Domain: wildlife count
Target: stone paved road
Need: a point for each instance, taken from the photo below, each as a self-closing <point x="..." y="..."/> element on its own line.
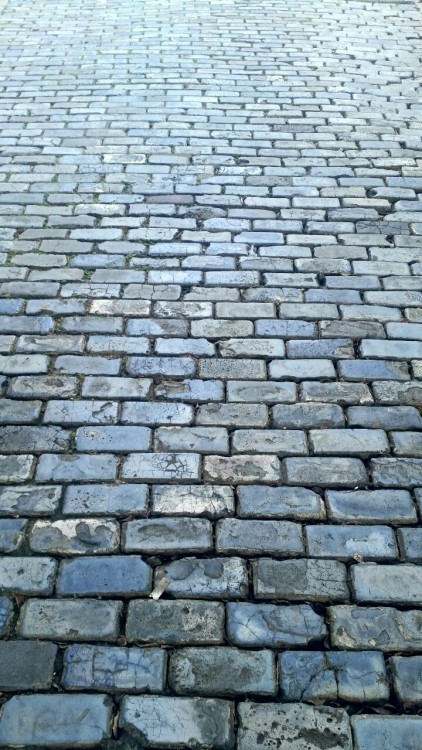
<point x="211" y="364"/>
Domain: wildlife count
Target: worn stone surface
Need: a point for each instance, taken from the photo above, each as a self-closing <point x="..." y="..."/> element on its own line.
<point x="211" y="370"/>
<point x="180" y="722"/>
<point x="395" y="732"/>
<point x="55" y="720"/>
<point x="299" y="725"/>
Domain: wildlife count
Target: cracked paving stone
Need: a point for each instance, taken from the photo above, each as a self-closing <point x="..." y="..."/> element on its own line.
<point x="273" y="625"/>
<point x="109" y="669"/>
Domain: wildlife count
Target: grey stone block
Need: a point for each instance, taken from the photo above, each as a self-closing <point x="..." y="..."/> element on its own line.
<point x="119" y="575"/>
<point x="243" y="537"/>
<point x="222" y="671"/>
<point x="382" y="628"/>
<point x="26" y="665"/>
<point x="365" y="506"/>
<point x="70" y="620"/>
<point x="168" y="536"/>
<point x="324" y="472"/>
<point x="395" y="732"/>
<point x="105" y="499"/>
<point x="272" y="625"/>
<point x="196" y="578"/>
<point x="389" y="584"/>
<point x="333" y="675"/>
<point x="300" y="580"/>
<point x="192" y="500"/>
<point x="263" y="725"/>
<point x="407" y="678"/>
<point x="111" y="669"/>
<point x="180" y="722"/>
<point x="175" y="622"/>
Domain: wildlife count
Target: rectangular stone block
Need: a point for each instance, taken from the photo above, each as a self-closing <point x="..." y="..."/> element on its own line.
<point x="251" y="538"/>
<point x="273" y="625"/>
<point x="180" y="722"/>
<point x="382" y="628"/>
<point x="70" y="620"/>
<point x="245" y="469"/>
<point x="351" y="542"/>
<point x="117" y="575"/>
<point x="389" y="584"/>
<point x="173" y="622"/>
<point x="332" y="676"/>
<point x="224" y="671"/>
<point x="203" y="578"/>
<point x="192" y="500"/>
<point x="300" y="580"/>
<point x="111" y="669"/>
<point x="159" y="467"/>
<point x="26" y="665"/>
<point x="279" y="502"/>
<point x="301" y="726"/>
<point x="105" y="500"/>
<point x="27" y="575"/>
<point x="168" y="536"/>
<point x="324" y="472"/>
<point x="55" y="720"/>
<point x="395" y="732"/>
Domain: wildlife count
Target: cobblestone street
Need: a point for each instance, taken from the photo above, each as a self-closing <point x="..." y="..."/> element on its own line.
<point x="210" y="374"/>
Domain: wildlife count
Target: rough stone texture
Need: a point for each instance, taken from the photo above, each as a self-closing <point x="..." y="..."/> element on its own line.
<point x="113" y="669"/>
<point x="26" y="665"/>
<point x="394" y="732"/>
<point x="222" y="671"/>
<point x="333" y="675"/>
<point x="211" y="366"/>
<point x="180" y="722"/>
<point x="299" y="725"/>
<point x="55" y="720"/>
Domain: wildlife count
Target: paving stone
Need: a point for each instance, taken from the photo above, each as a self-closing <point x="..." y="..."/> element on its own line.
<point x="34" y="439"/>
<point x="80" y="412"/>
<point x="324" y="472"/>
<point x="70" y="620"/>
<point x="279" y="502"/>
<point x="11" y="534"/>
<point x="15" y="468"/>
<point x="152" y="413"/>
<point x="191" y="500"/>
<point x="304" y="416"/>
<point x="346" y="542"/>
<point x="395" y="584"/>
<point x="243" y="537"/>
<point x="26" y="665"/>
<point x="365" y="506"/>
<point x="19" y="412"/>
<point x="105" y="499"/>
<point x="200" y="439"/>
<point x="384" y="417"/>
<point x="382" y="628"/>
<point x="245" y="469"/>
<point x="332" y="676"/>
<point x="300" y="580"/>
<point x="213" y="578"/>
<point x="71" y="467"/>
<point x="410" y="543"/>
<point x="28" y="575"/>
<point x="74" y="536"/>
<point x="159" y="467"/>
<point x="49" y="720"/>
<point x="251" y="624"/>
<point x="43" y="387"/>
<point x="111" y="669"/>
<point x="233" y="415"/>
<point x="168" y="536"/>
<point x="264" y="724"/>
<point x="29" y="501"/>
<point x="175" y="622"/>
<point x="222" y="671"/>
<point x="397" y="472"/>
<point x="191" y="390"/>
<point x="180" y="722"/>
<point x="348" y="442"/>
<point x="407" y="673"/>
<point x="118" y="576"/>
<point x="114" y="439"/>
<point x="396" y="732"/>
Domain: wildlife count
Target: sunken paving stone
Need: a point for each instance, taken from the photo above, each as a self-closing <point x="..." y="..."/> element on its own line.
<point x="210" y="375"/>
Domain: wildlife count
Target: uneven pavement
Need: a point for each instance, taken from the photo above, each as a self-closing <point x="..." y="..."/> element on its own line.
<point x="211" y="363"/>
